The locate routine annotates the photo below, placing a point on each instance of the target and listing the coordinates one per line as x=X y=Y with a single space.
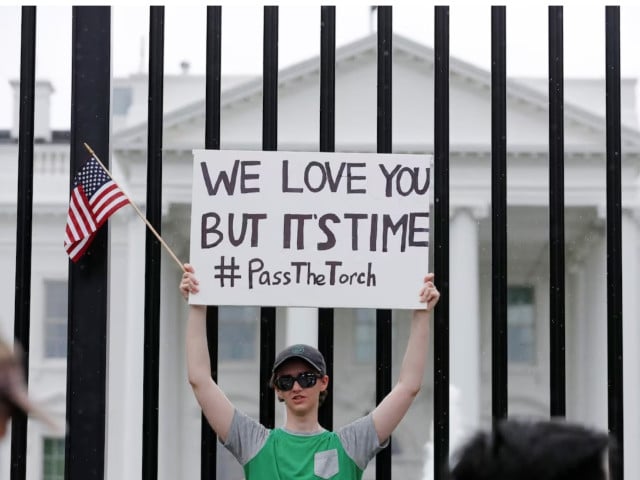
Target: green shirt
x=279 y=454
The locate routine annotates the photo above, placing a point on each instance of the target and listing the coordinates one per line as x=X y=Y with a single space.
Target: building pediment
x=355 y=110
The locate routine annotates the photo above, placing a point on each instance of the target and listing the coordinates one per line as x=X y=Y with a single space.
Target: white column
x=576 y=343
x=594 y=321
x=178 y=420
x=126 y=336
x=302 y=326
x=464 y=328
x=630 y=343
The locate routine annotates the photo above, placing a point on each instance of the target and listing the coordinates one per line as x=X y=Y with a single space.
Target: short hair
x=534 y=450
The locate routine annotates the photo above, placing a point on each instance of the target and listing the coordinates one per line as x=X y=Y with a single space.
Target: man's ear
x=324 y=382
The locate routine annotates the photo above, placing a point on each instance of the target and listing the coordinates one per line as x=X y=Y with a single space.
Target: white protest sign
x=310 y=229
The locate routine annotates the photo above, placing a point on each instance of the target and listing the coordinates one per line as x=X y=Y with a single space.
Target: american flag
x=94 y=198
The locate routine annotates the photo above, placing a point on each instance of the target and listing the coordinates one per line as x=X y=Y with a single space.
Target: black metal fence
x=86 y=379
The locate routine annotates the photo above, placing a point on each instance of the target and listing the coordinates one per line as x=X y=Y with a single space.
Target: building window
x=365 y=335
x=55 y=318
x=237 y=333
x=53 y=459
x=122 y=99
x=521 y=325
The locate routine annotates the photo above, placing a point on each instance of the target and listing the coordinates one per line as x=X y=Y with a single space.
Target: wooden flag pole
x=135 y=207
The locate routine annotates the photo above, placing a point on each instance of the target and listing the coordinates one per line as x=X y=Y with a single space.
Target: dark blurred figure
x=534 y=450
x=13 y=390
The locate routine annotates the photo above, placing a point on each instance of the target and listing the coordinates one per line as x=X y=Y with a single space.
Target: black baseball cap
x=307 y=353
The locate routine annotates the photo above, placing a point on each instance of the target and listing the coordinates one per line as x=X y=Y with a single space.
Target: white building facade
x=354 y=380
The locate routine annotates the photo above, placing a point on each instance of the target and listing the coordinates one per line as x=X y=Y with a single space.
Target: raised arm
x=215 y=405
x=388 y=414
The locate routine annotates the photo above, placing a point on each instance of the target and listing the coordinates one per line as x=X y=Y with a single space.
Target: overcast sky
x=299 y=38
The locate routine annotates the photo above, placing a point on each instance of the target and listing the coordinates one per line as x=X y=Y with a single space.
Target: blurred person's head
x=13 y=390
x=534 y=450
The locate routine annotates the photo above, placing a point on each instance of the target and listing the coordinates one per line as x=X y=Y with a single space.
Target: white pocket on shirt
x=325 y=464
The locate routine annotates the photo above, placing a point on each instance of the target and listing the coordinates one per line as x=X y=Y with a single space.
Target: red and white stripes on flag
x=94 y=198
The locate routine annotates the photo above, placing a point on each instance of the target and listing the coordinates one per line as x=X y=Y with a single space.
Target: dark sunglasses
x=305 y=380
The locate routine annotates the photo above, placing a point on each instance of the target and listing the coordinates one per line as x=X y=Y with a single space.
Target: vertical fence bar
x=614 y=236
x=88 y=278
x=383 y=317
x=213 y=78
x=327 y=144
x=208 y=449
x=269 y=143
x=22 y=319
x=499 y=212
x=557 y=372
x=152 y=255
x=441 y=240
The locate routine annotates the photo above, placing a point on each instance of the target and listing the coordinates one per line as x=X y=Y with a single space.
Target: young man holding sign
x=302 y=449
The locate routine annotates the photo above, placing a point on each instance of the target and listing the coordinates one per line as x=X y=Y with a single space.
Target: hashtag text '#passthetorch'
x=229 y=272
